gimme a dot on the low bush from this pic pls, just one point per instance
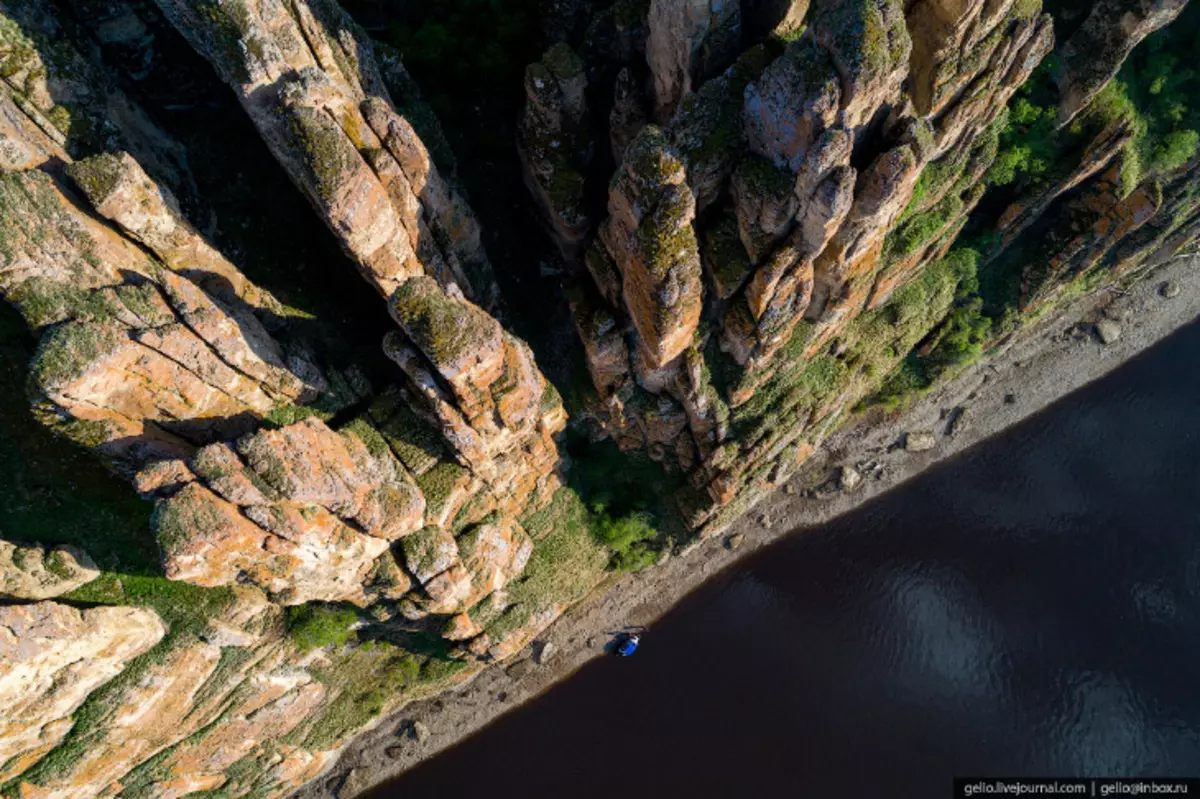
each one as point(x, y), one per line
point(314, 625)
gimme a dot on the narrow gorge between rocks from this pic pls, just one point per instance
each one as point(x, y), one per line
point(352, 345)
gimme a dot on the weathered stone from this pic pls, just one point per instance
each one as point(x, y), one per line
point(556, 144)
point(460, 628)
point(32, 571)
point(791, 104)
point(1095, 52)
point(51, 657)
point(689, 40)
point(849, 478)
point(120, 190)
point(649, 235)
point(144, 363)
point(735, 541)
point(919, 441)
point(707, 130)
point(870, 46)
point(494, 553)
point(308, 79)
point(543, 651)
point(1108, 331)
point(308, 463)
point(295, 552)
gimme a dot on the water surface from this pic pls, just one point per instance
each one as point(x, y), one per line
point(1031, 607)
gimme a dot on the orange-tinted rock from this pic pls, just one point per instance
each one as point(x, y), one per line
point(120, 190)
point(295, 552)
point(650, 238)
point(51, 657)
point(308, 78)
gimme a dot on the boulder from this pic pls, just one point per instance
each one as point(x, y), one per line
point(1108, 331)
point(919, 441)
point(850, 478)
point(33, 571)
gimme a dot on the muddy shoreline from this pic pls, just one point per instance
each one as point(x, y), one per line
point(1049, 360)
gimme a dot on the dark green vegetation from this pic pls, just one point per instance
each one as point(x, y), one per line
point(629, 499)
point(1155, 98)
point(567, 562)
point(1156, 95)
point(317, 625)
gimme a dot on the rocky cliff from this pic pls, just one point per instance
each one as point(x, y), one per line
point(759, 217)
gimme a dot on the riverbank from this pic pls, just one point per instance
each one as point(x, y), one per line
point(1049, 360)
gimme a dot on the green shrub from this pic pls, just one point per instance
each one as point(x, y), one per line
point(629, 538)
point(313, 625)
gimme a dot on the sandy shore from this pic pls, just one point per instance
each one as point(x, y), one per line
point(1047, 361)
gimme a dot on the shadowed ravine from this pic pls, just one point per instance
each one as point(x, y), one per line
point(1029, 608)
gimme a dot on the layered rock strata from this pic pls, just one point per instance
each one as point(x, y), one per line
point(308, 78)
point(51, 657)
point(832, 171)
point(830, 174)
point(769, 249)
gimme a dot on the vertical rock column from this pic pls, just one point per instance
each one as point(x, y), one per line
point(307, 77)
point(556, 144)
point(689, 40)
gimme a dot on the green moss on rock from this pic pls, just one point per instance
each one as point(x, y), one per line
point(444, 329)
point(97, 176)
point(437, 484)
point(68, 350)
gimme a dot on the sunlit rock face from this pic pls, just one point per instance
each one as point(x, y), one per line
point(31, 571)
point(803, 160)
point(53, 656)
point(308, 78)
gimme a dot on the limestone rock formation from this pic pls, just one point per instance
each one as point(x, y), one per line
point(136, 359)
point(119, 189)
point(56, 100)
point(30, 571)
point(308, 78)
point(689, 40)
point(829, 177)
point(650, 238)
point(237, 672)
point(51, 657)
point(788, 238)
point(556, 144)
